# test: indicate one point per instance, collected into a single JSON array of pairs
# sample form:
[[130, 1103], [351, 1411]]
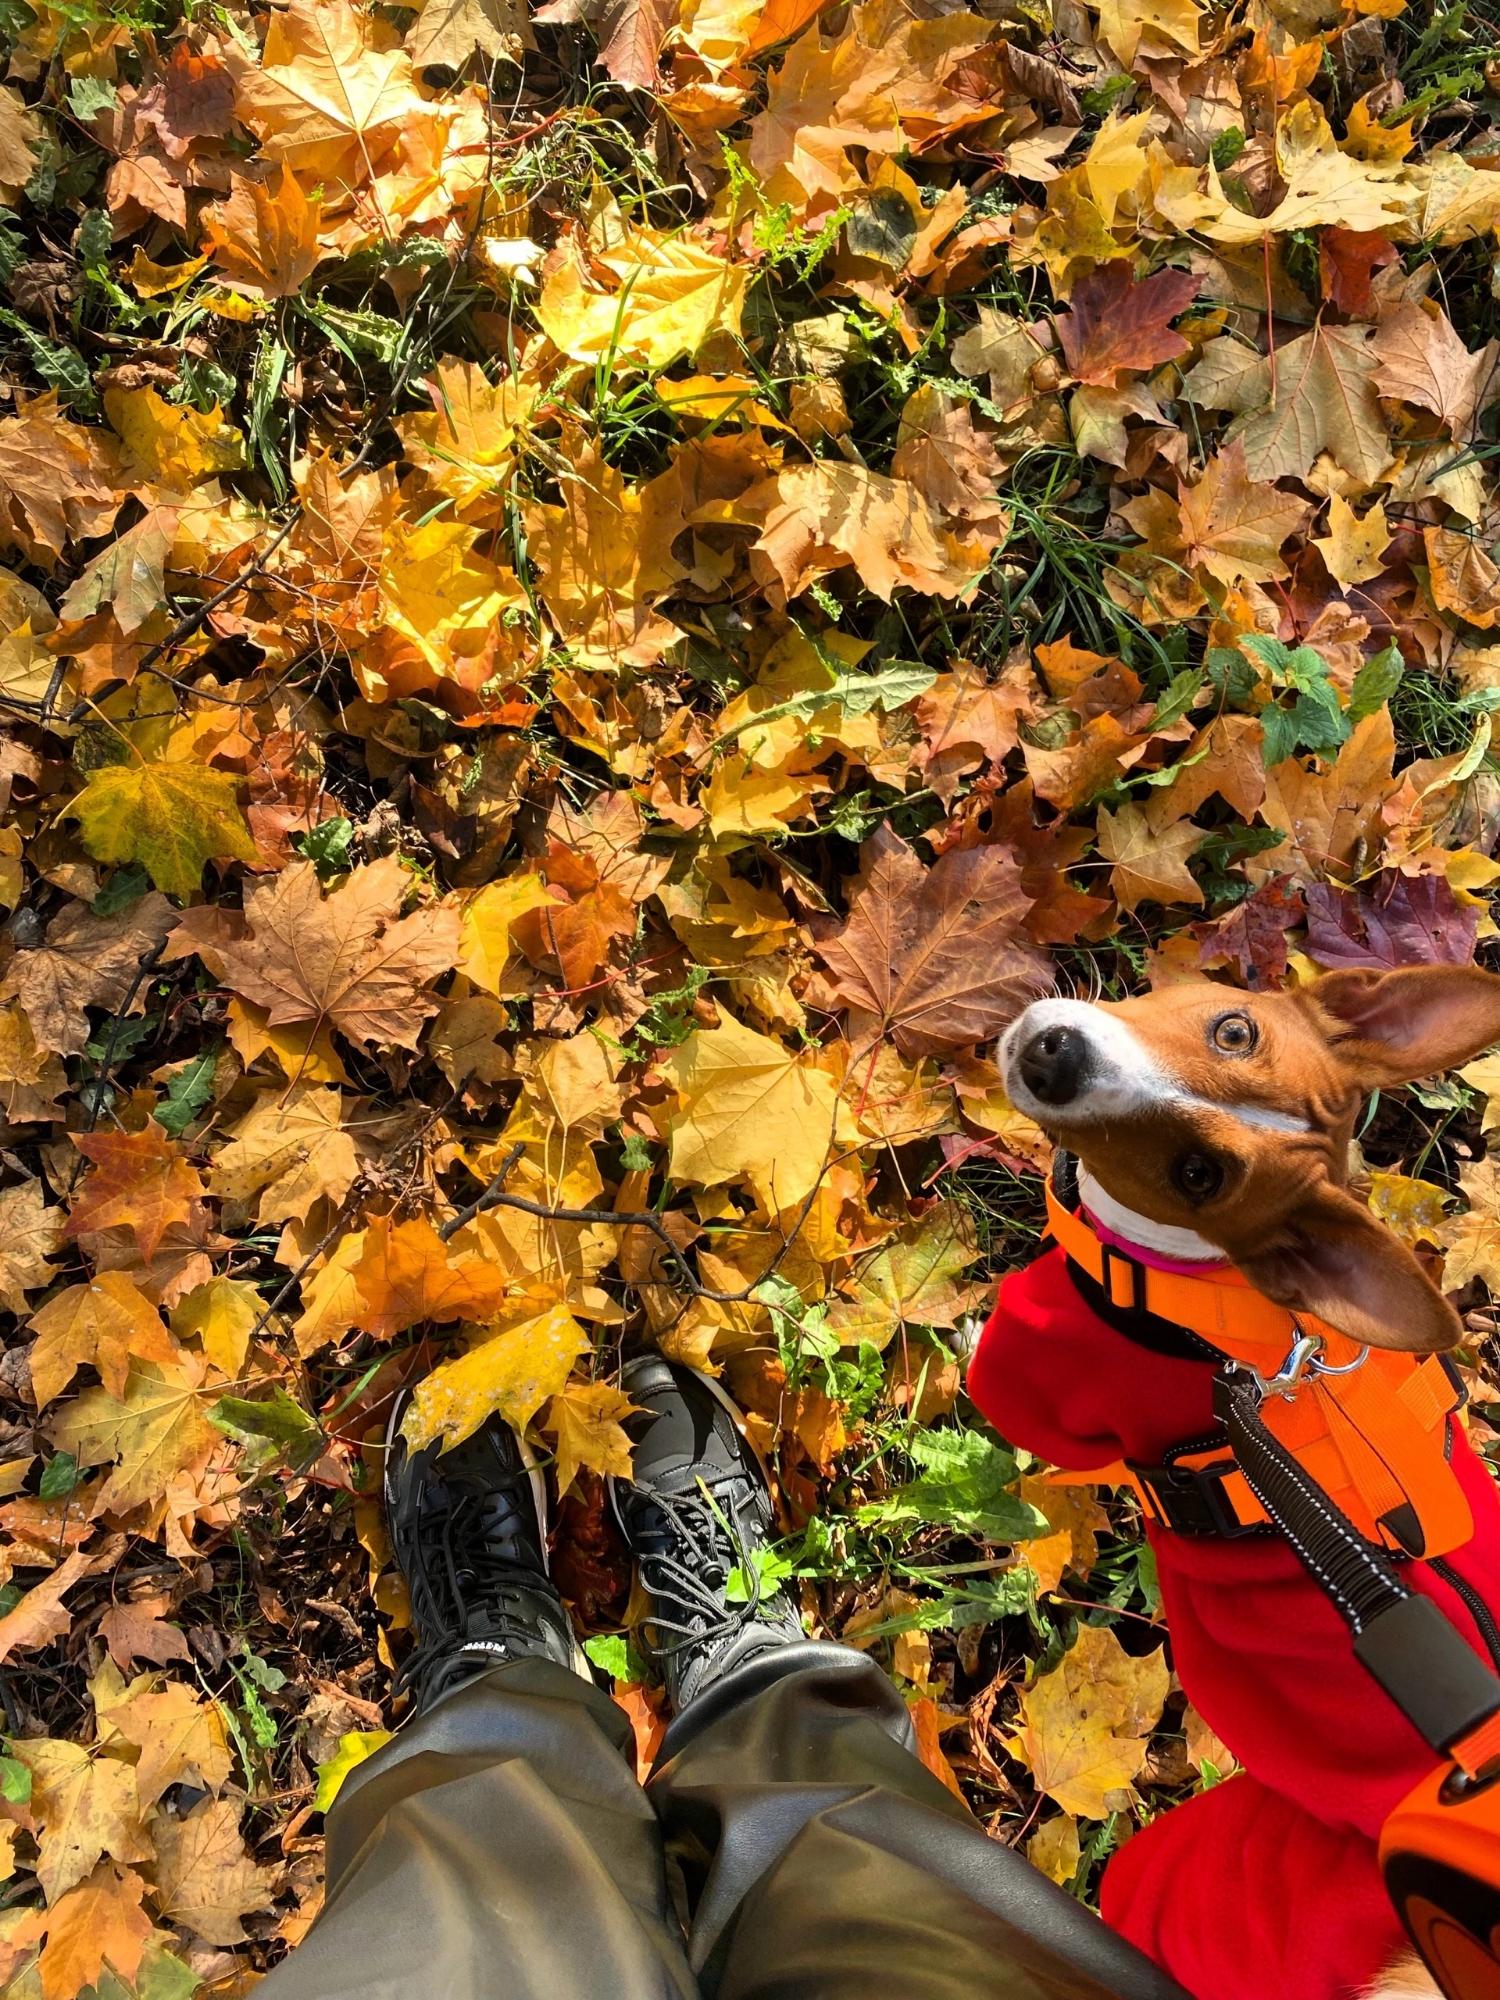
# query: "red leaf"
[[1252, 936], [1405, 920], [1347, 261], [1117, 324]]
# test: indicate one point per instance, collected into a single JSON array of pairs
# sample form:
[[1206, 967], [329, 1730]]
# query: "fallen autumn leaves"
[[594, 602]]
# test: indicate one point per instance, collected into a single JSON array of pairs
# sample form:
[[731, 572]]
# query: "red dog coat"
[[1264, 1887]]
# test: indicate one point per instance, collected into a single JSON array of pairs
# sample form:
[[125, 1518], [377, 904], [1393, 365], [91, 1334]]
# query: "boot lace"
[[463, 1587], [688, 1547]]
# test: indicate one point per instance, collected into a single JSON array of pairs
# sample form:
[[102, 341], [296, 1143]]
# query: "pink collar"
[[1181, 1267]]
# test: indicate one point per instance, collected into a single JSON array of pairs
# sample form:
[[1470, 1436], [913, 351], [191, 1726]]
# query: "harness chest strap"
[[1373, 1439]]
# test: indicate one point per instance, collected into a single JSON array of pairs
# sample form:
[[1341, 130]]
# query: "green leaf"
[[613, 1654], [96, 232], [87, 97], [609, 1653], [275, 1423], [1179, 697], [125, 886], [15, 1781], [891, 687], [359, 332], [635, 1154], [188, 1093], [59, 1477], [1376, 681], [267, 412], [60, 366], [964, 1485], [768, 1571], [120, 1036], [329, 846]]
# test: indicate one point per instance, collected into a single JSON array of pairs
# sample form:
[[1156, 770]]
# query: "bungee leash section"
[[1440, 1848]]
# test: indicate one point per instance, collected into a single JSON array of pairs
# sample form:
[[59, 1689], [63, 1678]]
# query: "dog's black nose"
[[1053, 1064]]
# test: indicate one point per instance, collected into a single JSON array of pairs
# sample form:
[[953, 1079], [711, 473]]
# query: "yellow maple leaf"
[[355, 1746], [1355, 544], [171, 815], [485, 947], [327, 97], [1150, 859], [20, 134], [1084, 1726], [749, 1110], [466, 444], [99, 1924], [204, 1877], [103, 1322], [1484, 1076], [171, 445], [86, 1805], [513, 1369], [178, 1734], [153, 1431], [220, 1315], [1054, 1849], [440, 592], [664, 295], [1415, 1209], [1166, 25], [586, 1420], [264, 237], [1075, 1520], [1474, 1239], [30, 1231], [290, 1149]]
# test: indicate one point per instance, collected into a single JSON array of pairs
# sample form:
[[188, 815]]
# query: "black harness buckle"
[[1190, 1499]]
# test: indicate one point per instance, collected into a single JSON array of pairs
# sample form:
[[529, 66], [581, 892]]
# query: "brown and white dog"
[[1212, 1125]]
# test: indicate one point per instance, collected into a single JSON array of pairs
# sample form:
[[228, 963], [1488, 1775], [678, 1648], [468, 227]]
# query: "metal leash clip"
[[1302, 1361]]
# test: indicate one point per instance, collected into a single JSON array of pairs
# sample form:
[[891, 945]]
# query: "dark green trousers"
[[789, 1846]]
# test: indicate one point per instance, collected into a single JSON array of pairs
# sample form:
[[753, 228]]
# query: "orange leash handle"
[[1373, 1438]]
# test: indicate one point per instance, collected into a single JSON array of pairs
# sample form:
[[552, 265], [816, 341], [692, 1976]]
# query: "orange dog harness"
[[1367, 1425]]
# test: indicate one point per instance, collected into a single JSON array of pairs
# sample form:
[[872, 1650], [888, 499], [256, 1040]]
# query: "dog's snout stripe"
[[1249, 1114]]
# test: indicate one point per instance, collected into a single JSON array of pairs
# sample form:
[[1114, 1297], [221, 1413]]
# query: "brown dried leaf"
[[934, 952]]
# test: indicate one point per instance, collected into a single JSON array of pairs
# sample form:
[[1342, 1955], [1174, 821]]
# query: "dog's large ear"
[[1335, 1260], [1391, 1027]]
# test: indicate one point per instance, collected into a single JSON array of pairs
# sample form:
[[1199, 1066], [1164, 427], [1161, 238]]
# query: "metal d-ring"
[[1302, 1359]]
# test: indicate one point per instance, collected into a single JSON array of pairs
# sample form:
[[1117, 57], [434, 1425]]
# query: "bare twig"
[[676, 1274], [490, 1198]]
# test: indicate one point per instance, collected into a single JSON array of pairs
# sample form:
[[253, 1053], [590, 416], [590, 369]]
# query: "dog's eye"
[[1197, 1176], [1234, 1034]]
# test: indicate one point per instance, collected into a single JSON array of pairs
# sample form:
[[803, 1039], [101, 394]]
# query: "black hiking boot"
[[469, 1531], [696, 1512]]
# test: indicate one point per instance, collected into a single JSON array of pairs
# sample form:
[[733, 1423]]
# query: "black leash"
[[1400, 1637]]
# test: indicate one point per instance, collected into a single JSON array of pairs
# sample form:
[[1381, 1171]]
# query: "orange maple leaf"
[[140, 1181]]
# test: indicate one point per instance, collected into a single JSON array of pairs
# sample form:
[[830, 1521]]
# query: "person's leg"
[[499, 1848], [828, 1863], [821, 1859]]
